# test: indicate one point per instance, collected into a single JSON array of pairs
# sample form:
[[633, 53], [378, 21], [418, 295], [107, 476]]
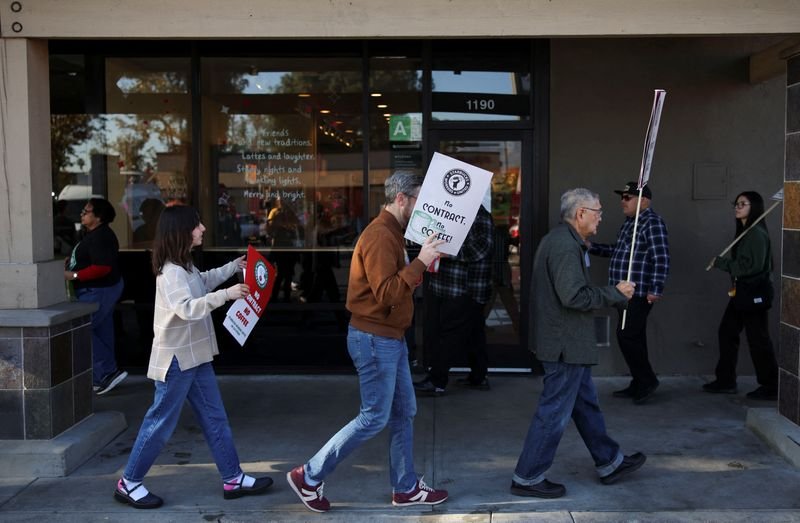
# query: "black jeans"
[[460, 327], [633, 343], [756, 329]]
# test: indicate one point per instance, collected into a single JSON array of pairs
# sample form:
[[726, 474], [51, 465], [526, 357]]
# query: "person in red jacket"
[[93, 270]]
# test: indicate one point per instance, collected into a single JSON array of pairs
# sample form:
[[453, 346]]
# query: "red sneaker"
[[421, 495], [310, 496]]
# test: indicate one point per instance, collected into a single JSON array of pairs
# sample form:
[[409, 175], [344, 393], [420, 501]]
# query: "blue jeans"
[[387, 398], [199, 386], [568, 392], [103, 360]]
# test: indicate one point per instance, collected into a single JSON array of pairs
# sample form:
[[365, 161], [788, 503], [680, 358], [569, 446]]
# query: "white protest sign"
[[240, 320], [448, 202]]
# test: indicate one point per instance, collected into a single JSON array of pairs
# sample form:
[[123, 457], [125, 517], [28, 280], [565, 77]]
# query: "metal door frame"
[[533, 205]]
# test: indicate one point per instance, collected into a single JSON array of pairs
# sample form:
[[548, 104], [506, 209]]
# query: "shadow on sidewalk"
[[701, 457]]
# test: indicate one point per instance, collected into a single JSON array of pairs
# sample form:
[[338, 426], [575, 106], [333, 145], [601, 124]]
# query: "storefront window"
[[395, 115], [492, 83], [286, 171], [286, 149], [283, 141], [70, 131], [147, 141], [135, 153]]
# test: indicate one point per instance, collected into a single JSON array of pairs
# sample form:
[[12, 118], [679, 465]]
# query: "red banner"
[[260, 277]]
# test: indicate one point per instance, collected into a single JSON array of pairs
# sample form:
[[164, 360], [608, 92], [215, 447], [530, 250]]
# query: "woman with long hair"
[[93, 271], [750, 266], [180, 362]]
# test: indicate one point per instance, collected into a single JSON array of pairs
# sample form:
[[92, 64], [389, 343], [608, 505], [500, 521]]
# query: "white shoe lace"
[[424, 486]]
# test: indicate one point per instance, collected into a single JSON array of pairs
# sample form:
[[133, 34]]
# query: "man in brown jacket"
[[379, 296]]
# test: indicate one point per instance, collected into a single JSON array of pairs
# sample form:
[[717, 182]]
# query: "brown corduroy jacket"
[[381, 280]]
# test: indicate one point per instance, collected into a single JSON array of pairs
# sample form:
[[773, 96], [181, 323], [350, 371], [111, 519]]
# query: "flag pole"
[[644, 174], [633, 248], [734, 242]]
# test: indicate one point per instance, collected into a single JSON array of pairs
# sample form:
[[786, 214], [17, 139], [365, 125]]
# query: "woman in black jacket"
[[750, 265], [93, 270]]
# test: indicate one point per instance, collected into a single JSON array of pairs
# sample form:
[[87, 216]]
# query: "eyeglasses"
[[740, 205], [86, 211], [598, 211], [627, 197]]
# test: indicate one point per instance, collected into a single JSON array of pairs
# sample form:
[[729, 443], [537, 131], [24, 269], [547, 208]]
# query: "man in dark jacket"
[[563, 299]]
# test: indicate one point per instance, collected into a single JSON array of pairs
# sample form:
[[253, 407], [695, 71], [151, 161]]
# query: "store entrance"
[[507, 154]]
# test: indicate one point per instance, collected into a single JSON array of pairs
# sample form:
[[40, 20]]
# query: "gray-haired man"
[[563, 339]]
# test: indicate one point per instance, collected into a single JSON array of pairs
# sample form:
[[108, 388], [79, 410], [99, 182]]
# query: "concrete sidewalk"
[[703, 463]]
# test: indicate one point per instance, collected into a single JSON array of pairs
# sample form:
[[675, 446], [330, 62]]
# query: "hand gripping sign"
[[448, 202], [245, 312]]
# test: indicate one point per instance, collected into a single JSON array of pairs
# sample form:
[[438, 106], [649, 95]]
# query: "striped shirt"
[[650, 259], [470, 272]]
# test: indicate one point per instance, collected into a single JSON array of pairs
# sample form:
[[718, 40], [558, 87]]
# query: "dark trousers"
[[755, 327], [284, 265], [460, 327], [633, 343]]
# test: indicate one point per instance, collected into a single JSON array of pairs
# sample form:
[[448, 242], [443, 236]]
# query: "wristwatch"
[[74, 275]]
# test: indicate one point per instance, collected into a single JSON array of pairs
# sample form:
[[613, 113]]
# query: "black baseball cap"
[[631, 188]]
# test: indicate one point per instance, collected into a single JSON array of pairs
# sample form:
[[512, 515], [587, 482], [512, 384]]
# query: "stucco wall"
[[601, 97], [389, 18]]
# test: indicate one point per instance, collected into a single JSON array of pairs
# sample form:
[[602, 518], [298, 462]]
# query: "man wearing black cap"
[[649, 272]]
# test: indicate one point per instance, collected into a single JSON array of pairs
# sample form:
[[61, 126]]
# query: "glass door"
[[507, 155]]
